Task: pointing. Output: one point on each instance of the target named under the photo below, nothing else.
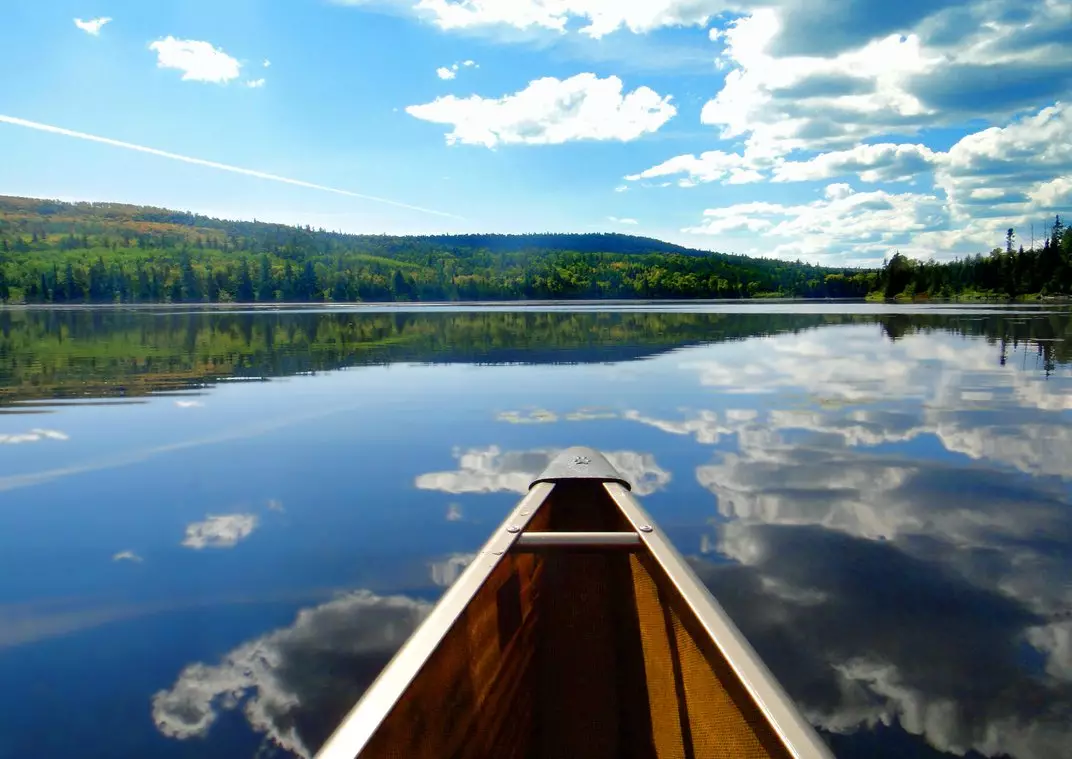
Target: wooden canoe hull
(599, 650)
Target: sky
(832, 131)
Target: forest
(55, 252)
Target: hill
(57, 252)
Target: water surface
(216, 527)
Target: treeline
(53, 252)
(1006, 272)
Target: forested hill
(54, 252)
(103, 252)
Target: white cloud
(267, 63)
(867, 224)
(990, 180)
(221, 531)
(93, 26)
(710, 166)
(278, 680)
(492, 470)
(454, 512)
(198, 61)
(450, 72)
(127, 556)
(189, 404)
(621, 188)
(602, 18)
(794, 87)
(1011, 175)
(551, 111)
(883, 162)
(805, 88)
(255, 83)
(626, 220)
(33, 436)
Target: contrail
(213, 165)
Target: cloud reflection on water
(885, 584)
(219, 531)
(492, 470)
(296, 683)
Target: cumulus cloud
(198, 61)
(551, 111)
(711, 166)
(221, 531)
(866, 224)
(989, 180)
(35, 435)
(884, 162)
(492, 470)
(93, 26)
(294, 685)
(1004, 176)
(626, 220)
(601, 18)
(807, 85)
(256, 83)
(454, 512)
(792, 87)
(449, 72)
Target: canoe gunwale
(798, 738)
(358, 727)
(797, 735)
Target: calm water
(215, 528)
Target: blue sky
(833, 131)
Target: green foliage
(1004, 273)
(102, 253)
(52, 252)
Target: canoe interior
(576, 653)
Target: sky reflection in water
(223, 571)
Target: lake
(217, 526)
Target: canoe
(578, 631)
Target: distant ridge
(57, 210)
